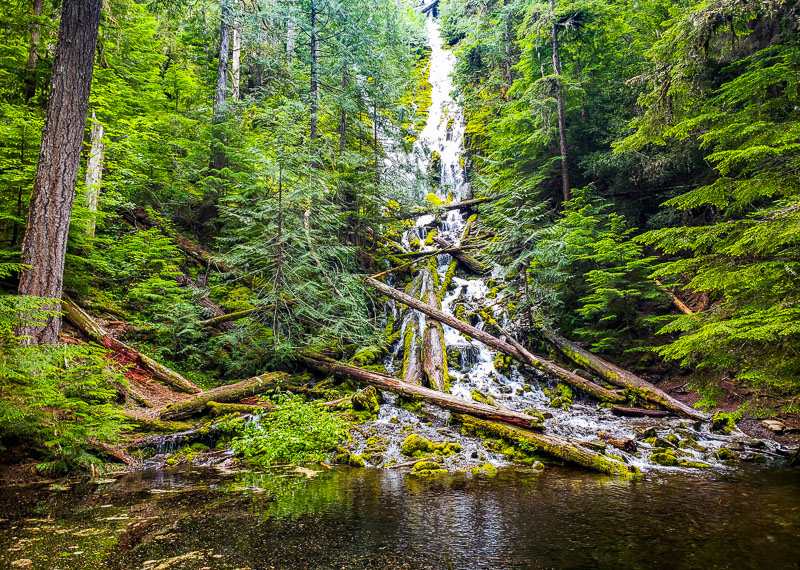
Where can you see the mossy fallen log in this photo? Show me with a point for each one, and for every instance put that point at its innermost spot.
(619, 377)
(568, 450)
(230, 393)
(461, 254)
(446, 401)
(155, 425)
(91, 328)
(217, 409)
(506, 348)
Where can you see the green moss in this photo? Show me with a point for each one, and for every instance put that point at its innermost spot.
(487, 470)
(724, 423)
(394, 420)
(502, 363)
(368, 399)
(693, 464)
(356, 461)
(410, 403)
(417, 446)
(664, 458)
(425, 466)
(431, 234)
(447, 279)
(561, 398)
(725, 454)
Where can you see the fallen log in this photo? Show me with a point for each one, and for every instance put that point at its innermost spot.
(91, 328)
(466, 259)
(230, 393)
(217, 409)
(682, 307)
(639, 412)
(539, 363)
(153, 425)
(568, 450)
(619, 377)
(226, 318)
(446, 401)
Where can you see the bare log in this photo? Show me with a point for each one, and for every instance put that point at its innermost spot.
(446, 401)
(619, 377)
(639, 412)
(539, 363)
(231, 393)
(91, 328)
(563, 448)
(462, 256)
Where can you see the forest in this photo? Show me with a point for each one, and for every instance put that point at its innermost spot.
(440, 238)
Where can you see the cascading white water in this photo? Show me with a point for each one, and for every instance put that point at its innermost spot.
(444, 135)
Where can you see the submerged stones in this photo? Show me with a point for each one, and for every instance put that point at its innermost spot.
(486, 470)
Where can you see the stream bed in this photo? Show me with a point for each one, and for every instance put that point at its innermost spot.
(369, 518)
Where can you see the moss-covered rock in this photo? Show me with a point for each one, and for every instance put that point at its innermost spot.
(486, 470)
(416, 446)
(725, 454)
(664, 458)
(367, 399)
(723, 423)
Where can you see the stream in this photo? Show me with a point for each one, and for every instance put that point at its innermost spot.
(729, 505)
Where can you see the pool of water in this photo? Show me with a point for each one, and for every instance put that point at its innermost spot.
(370, 518)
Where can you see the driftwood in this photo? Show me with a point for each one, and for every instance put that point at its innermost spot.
(466, 259)
(231, 393)
(527, 358)
(446, 401)
(91, 328)
(619, 377)
(434, 357)
(568, 450)
(639, 412)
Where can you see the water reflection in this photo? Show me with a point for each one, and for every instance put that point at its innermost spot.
(357, 518)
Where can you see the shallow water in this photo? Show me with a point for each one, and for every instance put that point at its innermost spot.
(368, 518)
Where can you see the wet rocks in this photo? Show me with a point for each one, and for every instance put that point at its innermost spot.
(417, 446)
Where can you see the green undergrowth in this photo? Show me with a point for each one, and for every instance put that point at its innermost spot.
(294, 432)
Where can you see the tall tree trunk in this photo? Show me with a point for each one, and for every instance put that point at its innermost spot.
(44, 246)
(434, 358)
(562, 121)
(217, 152)
(343, 116)
(236, 59)
(314, 83)
(94, 173)
(33, 52)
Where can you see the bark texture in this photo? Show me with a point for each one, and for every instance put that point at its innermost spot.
(236, 60)
(94, 172)
(45, 244)
(562, 121)
(506, 348)
(33, 52)
(434, 357)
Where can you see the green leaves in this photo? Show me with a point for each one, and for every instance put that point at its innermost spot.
(294, 432)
